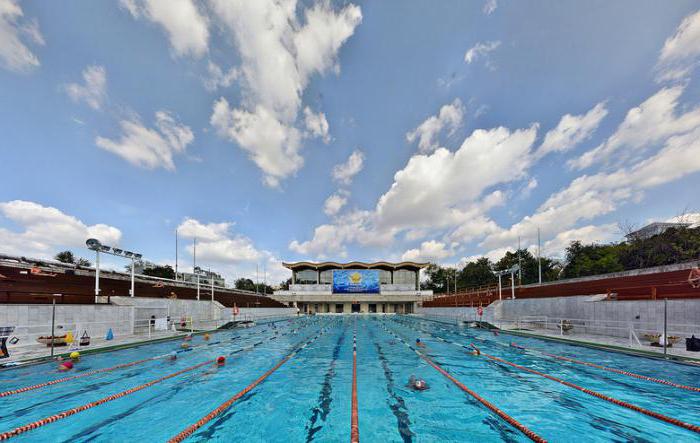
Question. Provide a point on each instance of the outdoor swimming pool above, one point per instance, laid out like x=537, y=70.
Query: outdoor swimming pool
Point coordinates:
x=309, y=396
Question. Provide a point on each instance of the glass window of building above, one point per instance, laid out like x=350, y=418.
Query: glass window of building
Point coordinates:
x=327, y=277
x=404, y=277
x=306, y=277
x=384, y=277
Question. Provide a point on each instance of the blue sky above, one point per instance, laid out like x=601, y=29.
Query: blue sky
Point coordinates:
x=343, y=130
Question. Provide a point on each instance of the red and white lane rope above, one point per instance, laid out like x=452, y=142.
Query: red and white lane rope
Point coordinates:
x=228, y=403
x=61, y=415
x=512, y=421
x=355, y=421
x=667, y=419
x=606, y=368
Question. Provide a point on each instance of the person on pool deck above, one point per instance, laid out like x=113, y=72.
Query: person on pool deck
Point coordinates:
x=417, y=384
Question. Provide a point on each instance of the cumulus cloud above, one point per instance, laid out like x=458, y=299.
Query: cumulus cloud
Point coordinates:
x=45, y=230
x=316, y=125
x=556, y=247
x=432, y=192
x=429, y=251
x=572, y=130
x=93, y=91
x=233, y=254
x=272, y=145
x=590, y=196
x=334, y=203
x=680, y=53
x=489, y=7
x=216, y=77
x=279, y=55
x=343, y=173
x=150, y=148
x=644, y=126
x=186, y=26
x=480, y=50
x=14, y=30
x=450, y=117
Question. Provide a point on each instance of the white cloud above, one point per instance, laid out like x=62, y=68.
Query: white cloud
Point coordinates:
x=46, y=230
x=343, y=173
x=271, y=144
x=450, y=117
x=480, y=50
x=680, y=53
x=556, y=247
x=150, y=148
x=645, y=125
x=316, y=125
x=430, y=251
x=432, y=192
x=232, y=254
x=279, y=55
x=94, y=91
x=489, y=7
x=588, y=197
x=216, y=78
x=334, y=203
x=572, y=130
x=186, y=27
x=14, y=54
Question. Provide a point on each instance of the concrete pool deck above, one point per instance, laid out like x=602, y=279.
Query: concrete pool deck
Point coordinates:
x=676, y=352
x=30, y=353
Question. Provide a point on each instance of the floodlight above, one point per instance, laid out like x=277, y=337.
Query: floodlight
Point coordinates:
x=117, y=251
x=128, y=254
x=93, y=243
x=138, y=256
x=104, y=248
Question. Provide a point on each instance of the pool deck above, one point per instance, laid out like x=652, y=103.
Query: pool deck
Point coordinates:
x=677, y=352
x=37, y=352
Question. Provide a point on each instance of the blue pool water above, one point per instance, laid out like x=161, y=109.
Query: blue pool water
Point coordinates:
x=309, y=397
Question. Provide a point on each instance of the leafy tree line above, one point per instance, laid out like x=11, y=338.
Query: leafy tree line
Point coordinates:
x=675, y=245
x=68, y=257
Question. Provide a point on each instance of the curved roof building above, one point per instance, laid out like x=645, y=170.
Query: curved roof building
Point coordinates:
x=363, y=287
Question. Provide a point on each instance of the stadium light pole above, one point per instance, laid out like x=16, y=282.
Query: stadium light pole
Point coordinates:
x=539, y=256
x=97, y=246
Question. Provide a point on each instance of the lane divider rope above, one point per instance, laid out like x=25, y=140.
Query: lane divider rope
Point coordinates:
x=121, y=366
x=74, y=377
x=61, y=415
x=225, y=405
x=667, y=419
x=606, y=368
x=512, y=421
x=355, y=422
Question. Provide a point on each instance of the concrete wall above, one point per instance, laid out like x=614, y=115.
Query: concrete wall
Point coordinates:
x=125, y=316
x=601, y=317
x=32, y=321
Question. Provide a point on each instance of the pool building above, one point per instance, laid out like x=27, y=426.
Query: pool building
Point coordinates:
x=332, y=287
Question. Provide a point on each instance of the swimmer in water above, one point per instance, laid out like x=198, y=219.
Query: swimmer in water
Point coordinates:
x=185, y=345
x=172, y=356
x=65, y=366
x=417, y=384
x=419, y=343
x=188, y=337
x=206, y=337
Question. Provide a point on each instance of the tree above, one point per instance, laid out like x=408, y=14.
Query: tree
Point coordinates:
x=437, y=278
x=83, y=262
x=245, y=284
x=476, y=273
x=529, y=266
x=584, y=260
x=65, y=257
x=285, y=284
x=160, y=271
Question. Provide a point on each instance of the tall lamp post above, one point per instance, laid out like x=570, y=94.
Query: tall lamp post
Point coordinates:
x=95, y=245
x=500, y=274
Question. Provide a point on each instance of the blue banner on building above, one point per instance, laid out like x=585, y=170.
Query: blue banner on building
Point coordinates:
x=356, y=281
